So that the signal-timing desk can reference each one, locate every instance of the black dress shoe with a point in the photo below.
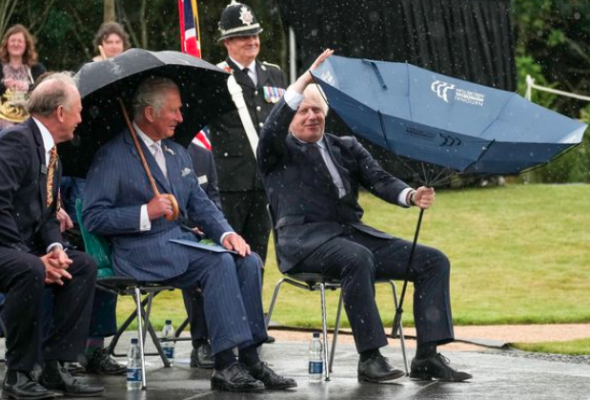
(57, 378)
(270, 340)
(376, 369)
(271, 379)
(202, 356)
(436, 367)
(235, 378)
(23, 387)
(100, 362)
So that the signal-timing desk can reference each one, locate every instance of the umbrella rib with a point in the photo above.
(497, 115)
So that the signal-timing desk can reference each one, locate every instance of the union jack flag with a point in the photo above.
(190, 37)
(190, 43)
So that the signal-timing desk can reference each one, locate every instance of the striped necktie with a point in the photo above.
(50, 174)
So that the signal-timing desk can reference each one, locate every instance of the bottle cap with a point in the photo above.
(316, 334)
(134, 341)
(168, 322)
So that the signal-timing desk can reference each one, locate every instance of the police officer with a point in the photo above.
(242, 194)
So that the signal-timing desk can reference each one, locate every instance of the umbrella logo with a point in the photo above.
(450, 140)
(441, 88)
(466, 96)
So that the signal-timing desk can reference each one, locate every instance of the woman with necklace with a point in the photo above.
(19, 69)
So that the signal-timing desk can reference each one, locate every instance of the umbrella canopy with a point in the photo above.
(203, 88)
(460, 126)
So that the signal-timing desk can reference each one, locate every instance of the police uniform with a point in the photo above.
(242, 194)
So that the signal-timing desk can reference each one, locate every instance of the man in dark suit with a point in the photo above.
(262, 84)
(119, 204)
(204, 168)
(32, 252)
(312, 180)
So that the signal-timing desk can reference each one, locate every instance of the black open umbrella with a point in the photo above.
(203, 89)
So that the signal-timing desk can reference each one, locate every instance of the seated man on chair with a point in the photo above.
(119, 204)
(32, 251)
(312, 180)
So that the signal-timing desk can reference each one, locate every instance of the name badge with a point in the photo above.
(44, 169)
(202, 179)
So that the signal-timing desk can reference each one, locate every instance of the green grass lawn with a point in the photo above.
(573, 347)
(520, 254)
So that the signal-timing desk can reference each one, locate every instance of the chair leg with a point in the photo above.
(122, 329)
(336, 330)
(139, 309)
(325, 330)
(275, 295)
(150, 329)
(400, 332)
(181, 328)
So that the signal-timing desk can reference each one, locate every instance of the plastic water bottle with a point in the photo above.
(316, 361)
(133, 366)
(167, 346)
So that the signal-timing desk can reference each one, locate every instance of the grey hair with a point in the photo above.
(149, 93)
(314, 90)
(51, 93)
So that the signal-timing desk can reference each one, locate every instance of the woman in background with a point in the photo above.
(19, 69)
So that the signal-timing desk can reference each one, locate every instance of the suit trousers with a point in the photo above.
(22, 277)
(358, 259)
(232, 303)
(193, 302)
(245, 211)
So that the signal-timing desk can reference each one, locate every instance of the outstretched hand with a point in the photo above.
(305, 79)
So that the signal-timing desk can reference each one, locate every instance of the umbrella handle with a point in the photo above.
(175, 208)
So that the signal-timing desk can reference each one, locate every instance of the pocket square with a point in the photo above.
(186, 171)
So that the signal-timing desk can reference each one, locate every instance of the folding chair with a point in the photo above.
(2, 326)
(313, 282)
(99, 248)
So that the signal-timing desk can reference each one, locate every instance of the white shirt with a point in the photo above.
(48, 144)
(251, 70)
(294, 100)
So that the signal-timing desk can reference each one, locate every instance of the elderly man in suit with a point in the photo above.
(119, 204)
(33, 253)
(312, 180)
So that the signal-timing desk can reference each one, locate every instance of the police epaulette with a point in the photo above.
(271, 65)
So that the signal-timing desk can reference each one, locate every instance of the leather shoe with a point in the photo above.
(271, 379)
(436, 367)
(100, 362)
(24, 387)
(376, 369)
(202, 356)
(57, 378)
(270, 340)
(235, 378)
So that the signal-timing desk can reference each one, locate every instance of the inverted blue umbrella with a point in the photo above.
(449, 125)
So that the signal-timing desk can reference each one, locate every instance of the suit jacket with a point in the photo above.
(236, 165)
(26, 223)
(305, 203)
(204, 167)
(117, 187)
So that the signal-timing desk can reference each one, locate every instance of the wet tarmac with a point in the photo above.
(498, 374)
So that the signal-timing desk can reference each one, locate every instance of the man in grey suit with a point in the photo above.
(312, 180)
(119, 204)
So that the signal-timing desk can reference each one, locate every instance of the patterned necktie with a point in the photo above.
(160, 159)
(50, 174)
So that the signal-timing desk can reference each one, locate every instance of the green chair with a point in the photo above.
(100, 249)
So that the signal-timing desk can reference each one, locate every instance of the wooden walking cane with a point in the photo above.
(175, 208)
